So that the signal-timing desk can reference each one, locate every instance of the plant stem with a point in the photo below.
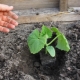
(53, 40)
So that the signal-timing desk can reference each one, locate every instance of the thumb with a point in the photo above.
(5, 7)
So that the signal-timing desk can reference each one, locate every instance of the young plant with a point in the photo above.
(38, 40)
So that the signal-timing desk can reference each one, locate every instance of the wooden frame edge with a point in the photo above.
(64, 17)
(63, 5)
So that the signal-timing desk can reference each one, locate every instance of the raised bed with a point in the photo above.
(17, 63)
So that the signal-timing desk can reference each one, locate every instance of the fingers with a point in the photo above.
(9, 20)
(4, 29)
(5, 7)
(11, 14)
(7, 25)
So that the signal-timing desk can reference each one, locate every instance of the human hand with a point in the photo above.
(7, 18)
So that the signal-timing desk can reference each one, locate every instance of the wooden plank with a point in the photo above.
(74, 3)
(27, 4)
(49, 17)
(63, 5)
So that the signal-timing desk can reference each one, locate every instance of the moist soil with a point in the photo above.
(17, 63)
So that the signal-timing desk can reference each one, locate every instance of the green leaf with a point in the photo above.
(54, 29)
(46, 31)
(35, 42)
(62, 43)
(51, 50)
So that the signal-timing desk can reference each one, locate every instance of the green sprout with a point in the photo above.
(38, 40)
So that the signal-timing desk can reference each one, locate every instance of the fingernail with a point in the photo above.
(7, 30)
(13, 27)
(16, 17)
(16, 23)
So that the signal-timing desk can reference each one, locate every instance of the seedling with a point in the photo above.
(38, 40)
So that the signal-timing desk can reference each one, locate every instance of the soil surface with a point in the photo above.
(17, 63)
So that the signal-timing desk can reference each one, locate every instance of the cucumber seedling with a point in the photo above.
(37, 40)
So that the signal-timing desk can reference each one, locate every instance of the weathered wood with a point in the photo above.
(74, 3)
(27, 4)
(49, 17)
(63, 5)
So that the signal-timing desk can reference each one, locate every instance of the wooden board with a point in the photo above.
(74, 3)
(69, 17)
(63, 5)
(26, 4)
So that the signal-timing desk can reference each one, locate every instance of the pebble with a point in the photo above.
(66, 78)
(62, 75)
(18, 47)
(1, 77)
(2, 47)
(28, 77)
(69, 68)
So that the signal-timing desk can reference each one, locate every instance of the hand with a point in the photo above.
(7, 18)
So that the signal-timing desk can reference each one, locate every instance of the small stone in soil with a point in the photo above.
(2, 47)
(62, 75)
(28, 77)
(66, 78)
(69, 68)
(18, 47)
(1, 77)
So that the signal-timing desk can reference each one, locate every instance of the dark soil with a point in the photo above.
(17, 63)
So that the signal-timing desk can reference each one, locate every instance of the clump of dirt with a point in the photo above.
(17, 63)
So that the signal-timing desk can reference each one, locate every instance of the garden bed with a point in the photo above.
(17, 63)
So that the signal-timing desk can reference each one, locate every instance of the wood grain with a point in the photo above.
(49, 17)
(27, 4)
(74, 3)
(63, 5)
